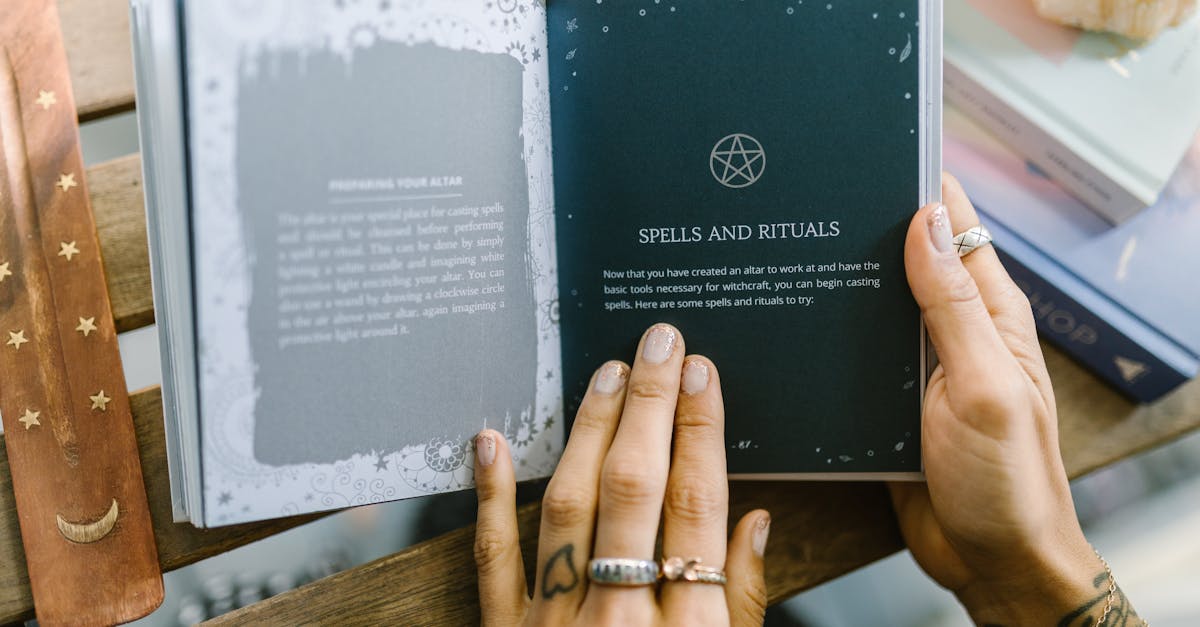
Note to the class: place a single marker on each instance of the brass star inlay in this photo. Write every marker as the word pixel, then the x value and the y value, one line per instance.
pixel 66 181
pixel 30 418
pixel 46 99
pixel 4 271
pixel 86 325
pixel 68 250
pixel 16 339
pixel 100 401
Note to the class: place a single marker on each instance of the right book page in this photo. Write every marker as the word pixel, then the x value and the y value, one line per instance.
pixel 747 172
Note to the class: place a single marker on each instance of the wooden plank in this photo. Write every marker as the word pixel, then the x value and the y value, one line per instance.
pixel 178 544
pixel 116 190
pixel 96 33
pixel 818 531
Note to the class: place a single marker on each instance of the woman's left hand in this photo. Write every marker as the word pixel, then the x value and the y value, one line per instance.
pixel 618 473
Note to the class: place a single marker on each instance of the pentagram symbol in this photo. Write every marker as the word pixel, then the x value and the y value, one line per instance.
pixel 737 160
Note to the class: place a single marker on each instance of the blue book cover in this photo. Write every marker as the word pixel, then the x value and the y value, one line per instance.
pixel 747 171
pixel 1122 300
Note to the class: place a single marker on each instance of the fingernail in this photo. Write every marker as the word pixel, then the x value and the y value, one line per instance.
pixel 659 343
pixel 611 379
pixel 485 449
pixel 939 229
pixel 762 529
pixel 695 377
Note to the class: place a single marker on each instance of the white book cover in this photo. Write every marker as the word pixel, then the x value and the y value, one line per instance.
pixel 1109 118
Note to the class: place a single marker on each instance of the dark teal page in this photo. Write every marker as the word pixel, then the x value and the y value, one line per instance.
pixel 746 170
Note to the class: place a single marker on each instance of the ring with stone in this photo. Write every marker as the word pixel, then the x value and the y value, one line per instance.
pixel 691 571
pixel 619 571
pixel 972 239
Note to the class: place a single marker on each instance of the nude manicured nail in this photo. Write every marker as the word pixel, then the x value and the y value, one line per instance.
pixel 659 343
pixel 611 379
pixel 762 529
pixel 939 229
pixel 695 377
pixel 485 449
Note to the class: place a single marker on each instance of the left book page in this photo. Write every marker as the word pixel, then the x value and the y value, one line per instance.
pixel 373 233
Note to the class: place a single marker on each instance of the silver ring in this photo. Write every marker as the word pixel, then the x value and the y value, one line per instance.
pixel 972 239
pixel 619 571
pixel 691 571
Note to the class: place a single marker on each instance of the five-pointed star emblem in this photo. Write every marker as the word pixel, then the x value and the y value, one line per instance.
pixel 68 250
pixel 86 325
pixel 738 161
pixel 100 401
pixel 4 271
pixel 46 99
pixel 66 181
pixel 30 418
pixel 16 339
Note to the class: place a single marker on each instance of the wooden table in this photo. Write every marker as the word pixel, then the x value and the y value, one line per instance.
pixel 819 531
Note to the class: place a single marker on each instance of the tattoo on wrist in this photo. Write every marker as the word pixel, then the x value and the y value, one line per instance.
pixel 560 575
pixel 1120 614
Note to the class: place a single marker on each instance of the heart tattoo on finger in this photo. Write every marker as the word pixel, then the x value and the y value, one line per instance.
pixel 560 574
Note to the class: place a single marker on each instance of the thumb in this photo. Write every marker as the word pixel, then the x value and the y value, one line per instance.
pixel 958 321
pixel 746 590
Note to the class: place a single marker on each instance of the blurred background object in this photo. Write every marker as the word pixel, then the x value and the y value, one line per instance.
pixel 1140 19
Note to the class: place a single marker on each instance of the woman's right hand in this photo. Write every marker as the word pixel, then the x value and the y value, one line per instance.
pixel 995 522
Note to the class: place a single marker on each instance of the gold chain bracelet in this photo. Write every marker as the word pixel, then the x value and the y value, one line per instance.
pixel 1112 591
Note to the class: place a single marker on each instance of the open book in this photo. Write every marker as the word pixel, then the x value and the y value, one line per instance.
pixel 379 227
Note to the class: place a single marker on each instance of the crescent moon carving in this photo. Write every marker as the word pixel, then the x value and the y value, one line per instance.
pixel 86 533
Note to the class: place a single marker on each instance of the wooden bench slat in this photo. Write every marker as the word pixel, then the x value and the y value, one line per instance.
pixel 96 35
pixel 819 531
pixel 116 191
pixel 178 544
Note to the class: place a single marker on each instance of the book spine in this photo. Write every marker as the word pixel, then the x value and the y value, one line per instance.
pixel 1088 183
pixel 1125 352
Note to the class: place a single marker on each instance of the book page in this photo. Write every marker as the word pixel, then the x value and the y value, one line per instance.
pixel 373 248
pixel 747 171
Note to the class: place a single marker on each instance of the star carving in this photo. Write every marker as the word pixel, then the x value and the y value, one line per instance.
pixel 16 339
pixel 66 181
pixel 4 271
pixel 86 325
pixel 46 99
pixel 68 250
pixel 100 401
pixel 30 419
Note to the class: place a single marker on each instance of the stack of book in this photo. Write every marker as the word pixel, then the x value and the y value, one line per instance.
pixel 1119 299
pixel 1107 118
pixel 1079 151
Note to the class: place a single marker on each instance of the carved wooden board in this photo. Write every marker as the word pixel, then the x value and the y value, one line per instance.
pixel 70 438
